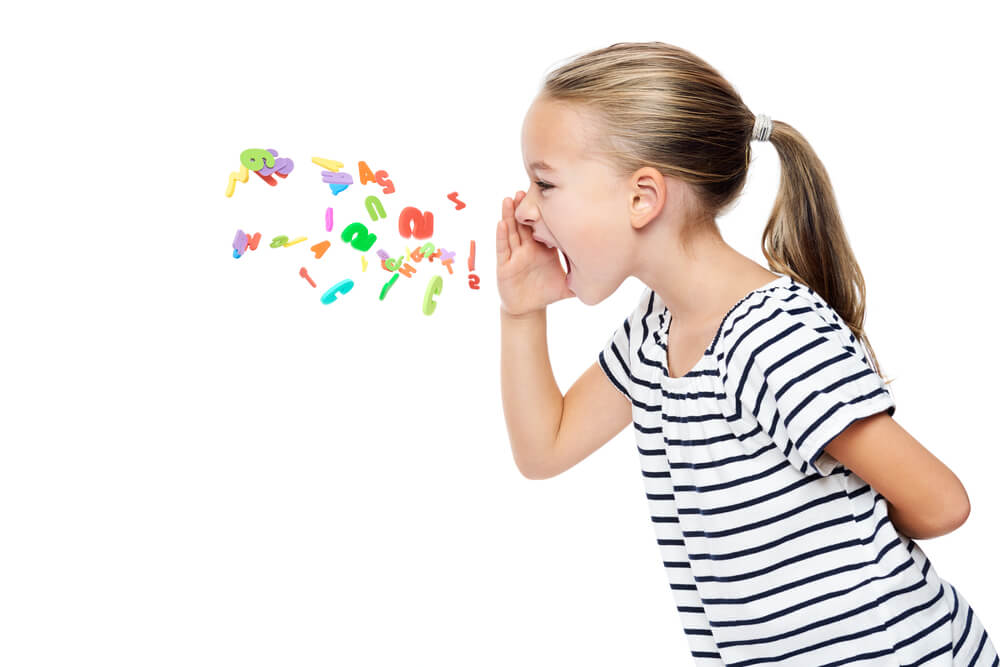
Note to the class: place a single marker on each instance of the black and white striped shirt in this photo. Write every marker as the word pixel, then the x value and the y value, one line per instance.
pixel 777 554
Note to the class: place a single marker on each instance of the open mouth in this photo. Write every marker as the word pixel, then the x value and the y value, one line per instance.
pixel 565 258
pixel 567 267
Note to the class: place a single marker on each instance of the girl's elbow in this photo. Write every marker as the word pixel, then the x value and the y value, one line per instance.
pixel 958 515
pixel 965 508
pixel 959 507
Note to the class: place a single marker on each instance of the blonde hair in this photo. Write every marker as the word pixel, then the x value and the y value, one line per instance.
pixel 655 104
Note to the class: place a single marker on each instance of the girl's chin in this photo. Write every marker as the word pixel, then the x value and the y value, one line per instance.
pixel 571 286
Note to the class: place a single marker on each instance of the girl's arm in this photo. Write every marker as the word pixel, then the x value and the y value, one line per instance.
pixel 550 433
pixel 925 497
pixel 913 525
pixel 532 402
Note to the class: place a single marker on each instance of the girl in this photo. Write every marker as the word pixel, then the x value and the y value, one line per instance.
pixel 784 496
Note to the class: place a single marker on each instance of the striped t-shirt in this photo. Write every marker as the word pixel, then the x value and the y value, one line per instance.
pixel 777 554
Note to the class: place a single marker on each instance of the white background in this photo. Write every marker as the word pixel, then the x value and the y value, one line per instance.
pixel 202 464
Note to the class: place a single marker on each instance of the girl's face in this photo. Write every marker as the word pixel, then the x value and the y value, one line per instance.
pixel 574 202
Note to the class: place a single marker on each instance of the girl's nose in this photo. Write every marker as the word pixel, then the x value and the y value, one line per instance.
pixel 521 209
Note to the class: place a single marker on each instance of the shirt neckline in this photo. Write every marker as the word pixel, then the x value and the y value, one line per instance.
pixel 661 335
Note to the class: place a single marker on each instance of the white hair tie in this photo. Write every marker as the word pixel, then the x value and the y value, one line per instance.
pixel 761 128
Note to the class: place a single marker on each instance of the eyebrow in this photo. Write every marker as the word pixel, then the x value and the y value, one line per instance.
pixel 541 165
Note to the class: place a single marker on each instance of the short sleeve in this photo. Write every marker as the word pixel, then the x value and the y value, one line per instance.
pixel 616 357
pixel 796 375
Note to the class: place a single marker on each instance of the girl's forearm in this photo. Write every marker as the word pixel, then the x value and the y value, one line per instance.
pixel 532 402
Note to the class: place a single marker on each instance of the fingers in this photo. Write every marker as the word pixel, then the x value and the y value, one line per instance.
pixel 510 233
pixel 503 248
pixel 504 238
pixel 513 233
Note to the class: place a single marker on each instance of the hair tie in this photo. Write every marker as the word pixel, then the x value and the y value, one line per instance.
pixel 761 128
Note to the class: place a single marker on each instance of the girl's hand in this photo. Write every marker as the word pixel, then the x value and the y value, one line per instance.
pixel 529 275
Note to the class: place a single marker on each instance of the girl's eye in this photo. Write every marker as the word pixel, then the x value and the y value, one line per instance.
pixel 543 186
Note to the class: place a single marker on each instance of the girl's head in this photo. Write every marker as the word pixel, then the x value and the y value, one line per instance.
pixel 644 146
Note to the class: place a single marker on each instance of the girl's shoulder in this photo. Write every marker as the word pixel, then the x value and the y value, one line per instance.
pixel 778 317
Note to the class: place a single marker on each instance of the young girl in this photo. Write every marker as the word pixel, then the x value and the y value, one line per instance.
pixel 784 496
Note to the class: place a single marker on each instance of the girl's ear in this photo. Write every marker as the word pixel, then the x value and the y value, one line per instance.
pixel 648 196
